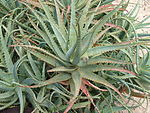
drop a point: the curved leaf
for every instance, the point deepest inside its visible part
(103, 49)
(94, 77)
(55, 79)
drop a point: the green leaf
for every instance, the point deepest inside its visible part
(72, 32)
(122, 76)
(145, 60)
(5, 49)
(61, 91)
(103, 49)
(75, 84)
(97, 38)
(34, 66)
(59, 36)
(100, 59)
(96, 28)
(61, 69)
(78, 48)
(21, 99)
(48, 37)
(83, 18)
(2, 6)
(7, 94)
(76, 78)
(75, 106)
(60, 20)
(96, 78)
(33, 100)
(9, 103)
(70, 52)
(96, 68)
(5, 76)
(26, 27)
(42, 54)
(41, 94)
(55, 79)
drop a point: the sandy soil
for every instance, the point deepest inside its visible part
(143, 12)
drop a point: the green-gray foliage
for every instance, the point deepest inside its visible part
(72, 56)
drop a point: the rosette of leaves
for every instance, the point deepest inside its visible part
(80, 53)
(8, 91)
(11, 70)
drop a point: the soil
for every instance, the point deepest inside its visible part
(16, 110)
(144, 11)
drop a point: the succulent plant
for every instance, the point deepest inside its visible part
(90, 52)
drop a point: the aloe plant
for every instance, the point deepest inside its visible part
(88, 49)
(9, 93)
(8, 6)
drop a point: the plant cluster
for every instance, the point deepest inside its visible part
(72, 56)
